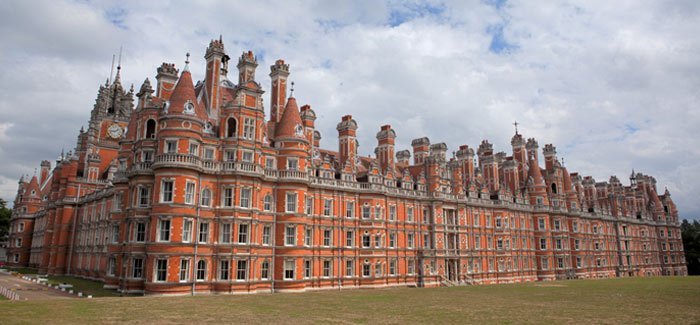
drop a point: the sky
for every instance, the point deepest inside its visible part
(613, 87)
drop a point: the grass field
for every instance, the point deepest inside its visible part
(665, 300)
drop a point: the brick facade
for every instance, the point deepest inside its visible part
(189, 188)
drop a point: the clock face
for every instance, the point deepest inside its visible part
(115, 131)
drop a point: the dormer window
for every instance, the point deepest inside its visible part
(189, 107)
(299, 131)
(166, 106)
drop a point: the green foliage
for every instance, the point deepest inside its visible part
(4, 220)
(691, 244)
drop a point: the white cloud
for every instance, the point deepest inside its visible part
(613, 87)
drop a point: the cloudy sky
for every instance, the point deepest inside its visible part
(614, 87)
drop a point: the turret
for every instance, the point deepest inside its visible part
(403, 157)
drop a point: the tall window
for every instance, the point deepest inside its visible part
(349, 238)
(308, 234)
(245, 197)
(326, 268)
(366, 211)
(327, 237)
(392, 267)
(290, 234)
(171, 146)
(249, 128)
(350, 209)
(409, 214)
(543, 243)
(208, 154)
(225, 233)
(201, 270)
(184, 270)
(289, 269)
(203, 232)
(366, 269)
(144, 196)
(137, 268)
(292, 164)
(166, 190)
(224, 266)
(366, 240)
(327, 207)
(307, 269)
(378, 212)
(228, 197)
(150, 129)
(189, 193)
(309, 205)
(111, 266)
(265, 270)
(247, 156)
(349, 268)
(242, 270)
(231, 127)
(267, 203)
(243, 233)
(194, 149)
(187, 231)
(392, 239)
(206, 197)
(161, 270)
(266, 235)
(409, 239)
(392, 212)
(291, 202)
(140, 235)
(164, 230)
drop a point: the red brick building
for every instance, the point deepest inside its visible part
(190, 188)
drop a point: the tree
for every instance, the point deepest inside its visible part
(690, 232)
(4, 220)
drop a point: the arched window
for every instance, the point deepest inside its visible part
(201, 270)
(267, 203)
(554, 188)
(206, 197)
(231, 127)
(150, 129)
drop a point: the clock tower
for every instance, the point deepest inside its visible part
(107, 126)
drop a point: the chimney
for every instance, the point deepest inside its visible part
(385, 148)
(45, 170)
(421, 148)
(347, 143)
(166, 79)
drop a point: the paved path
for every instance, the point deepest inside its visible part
(28, 290)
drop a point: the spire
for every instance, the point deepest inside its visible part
(290, 125)
(119, 67)
(183, 99)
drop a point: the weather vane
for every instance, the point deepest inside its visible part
(291, 93)
(516, 127)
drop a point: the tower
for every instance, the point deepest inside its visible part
(279, 72)
(217, 68)
(246, 67)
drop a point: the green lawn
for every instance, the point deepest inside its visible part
(87, 287)
(668, 300)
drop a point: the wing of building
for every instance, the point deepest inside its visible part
(182, 188)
